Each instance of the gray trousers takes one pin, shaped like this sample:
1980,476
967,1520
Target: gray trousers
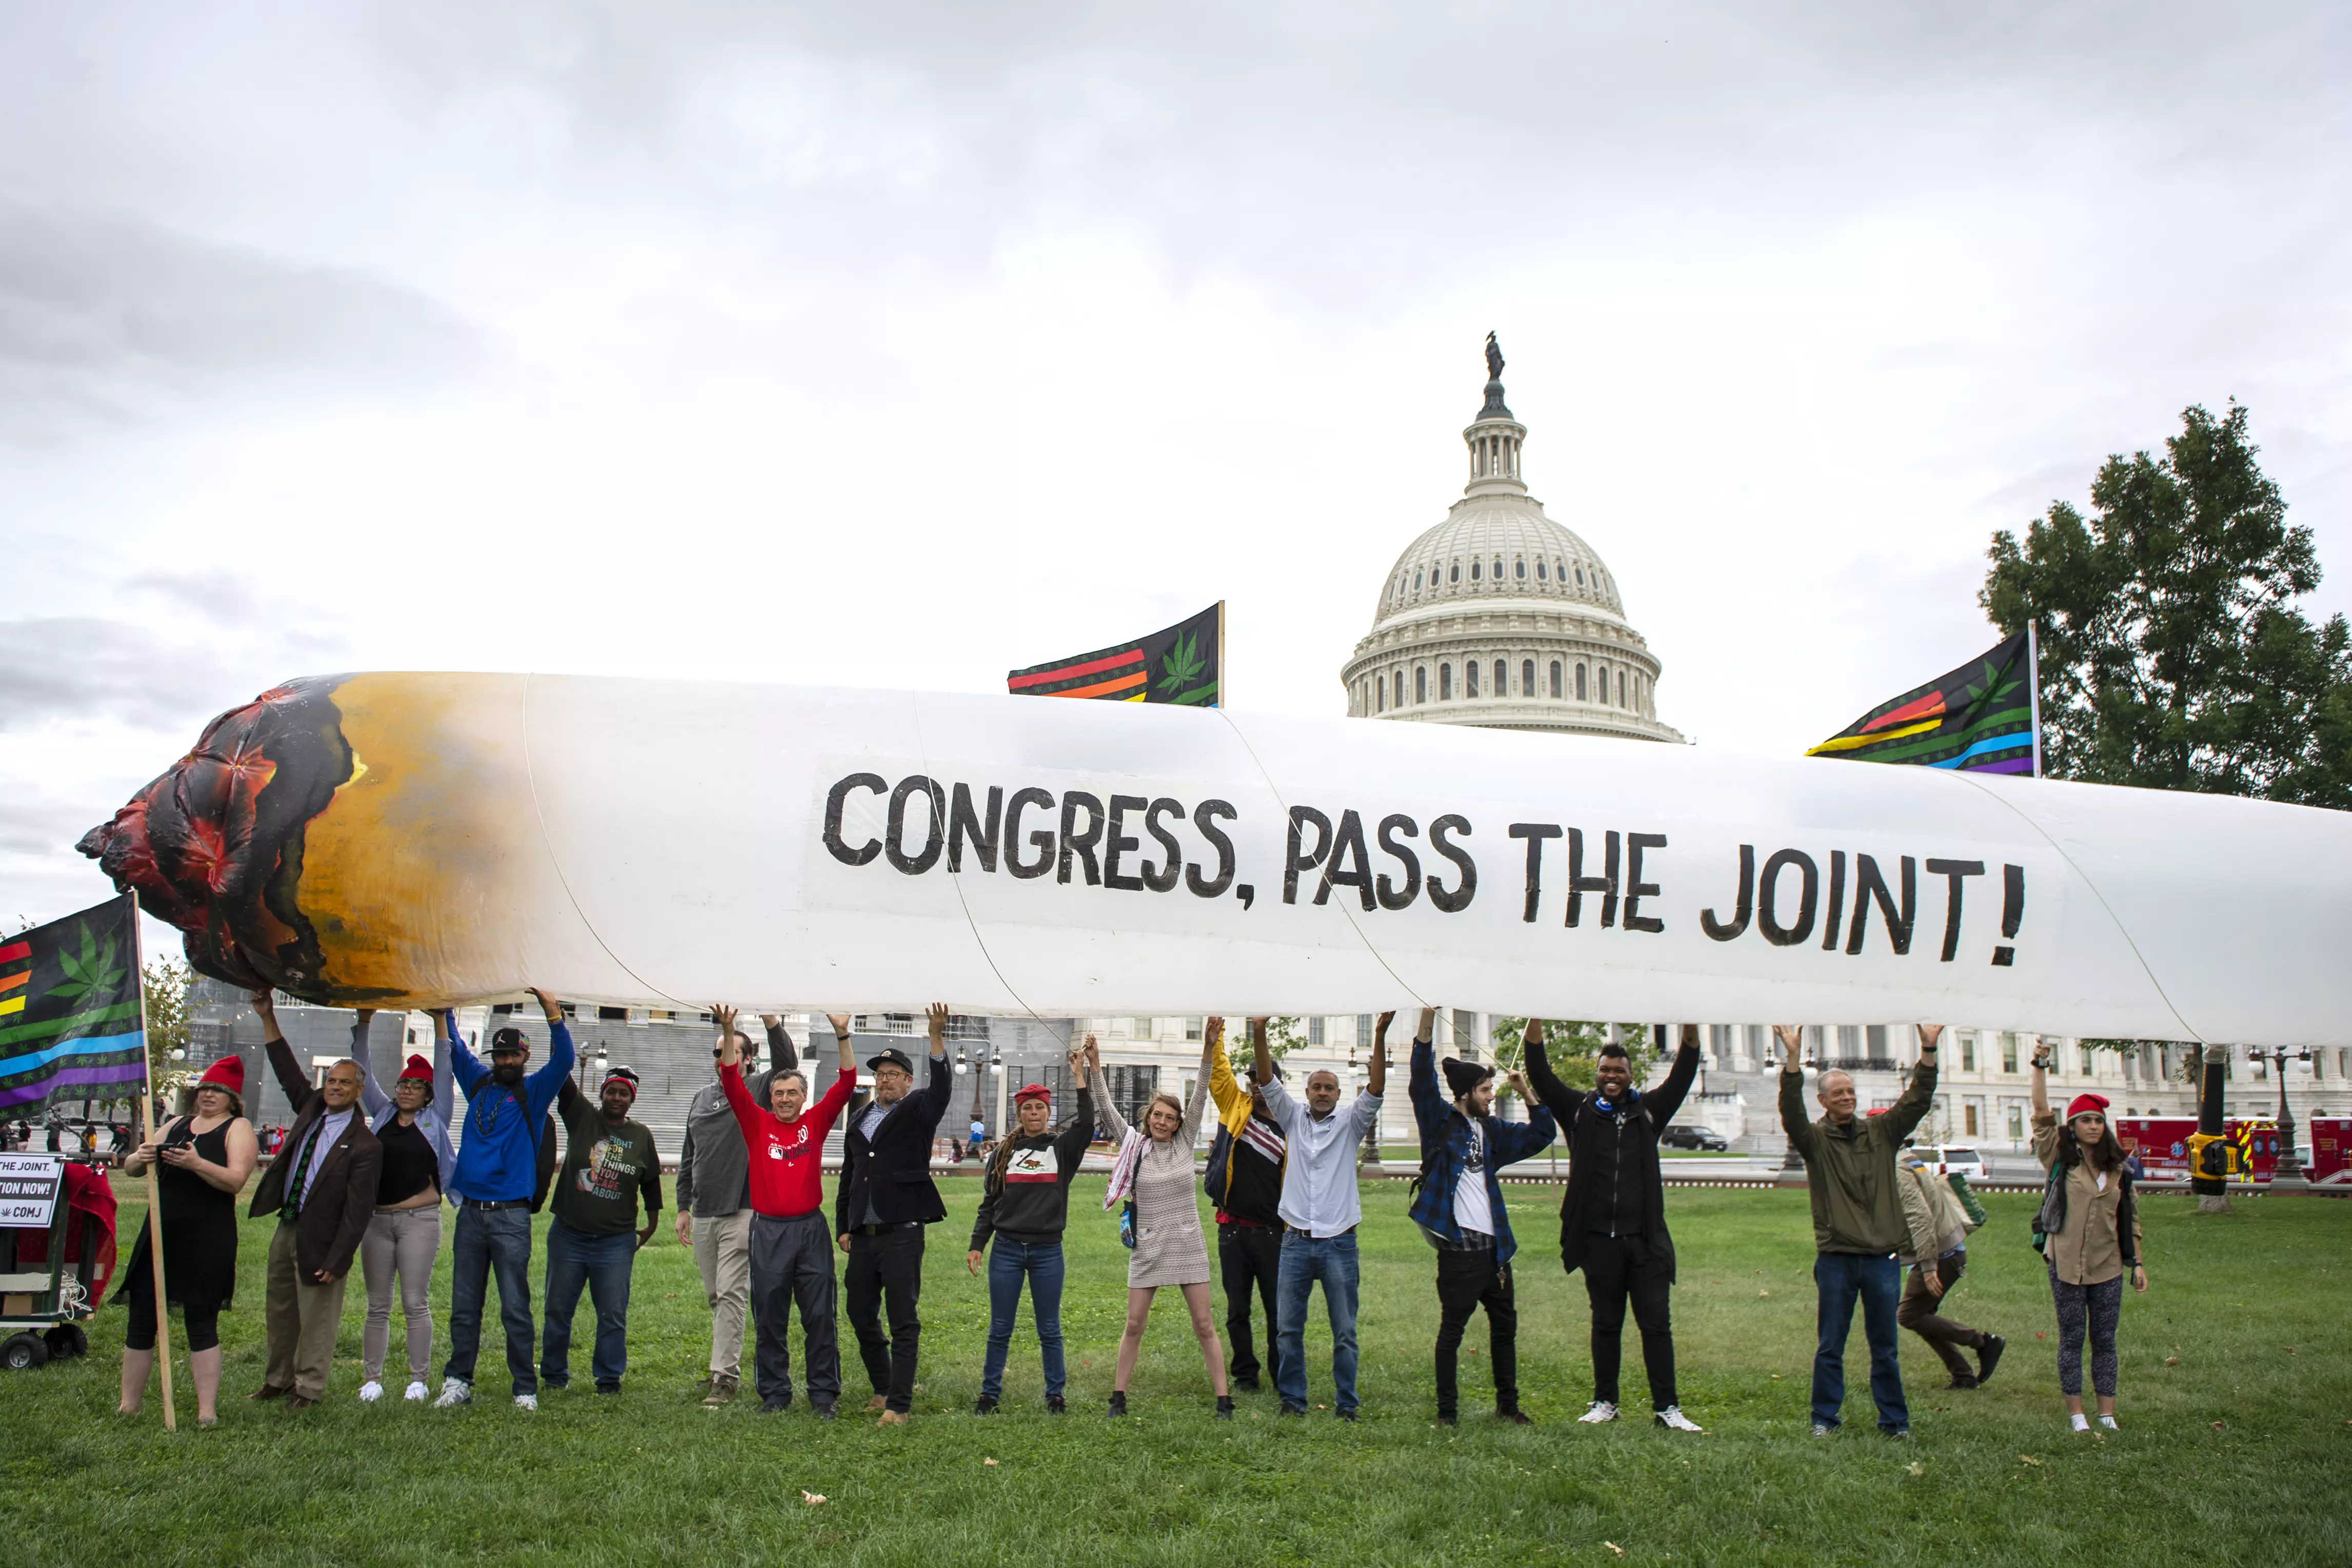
403,1242
792,1261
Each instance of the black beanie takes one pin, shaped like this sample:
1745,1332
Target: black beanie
1461,1077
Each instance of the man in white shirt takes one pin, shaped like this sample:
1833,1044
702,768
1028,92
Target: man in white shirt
1320,1212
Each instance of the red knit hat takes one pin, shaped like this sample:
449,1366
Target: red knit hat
2086,1105
1032,1092
227,1073
418,1067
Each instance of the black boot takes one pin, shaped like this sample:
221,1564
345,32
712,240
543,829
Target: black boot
1989,1356
1224,1407
1118,1403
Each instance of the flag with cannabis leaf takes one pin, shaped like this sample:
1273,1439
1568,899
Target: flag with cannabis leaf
1979,718
71,1024
1181,664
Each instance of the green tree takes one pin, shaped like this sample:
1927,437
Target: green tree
2172,654
166,983
1281,1034
1572,1047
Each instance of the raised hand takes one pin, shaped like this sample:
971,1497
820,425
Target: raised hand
840,1022
1790,1038
1930,1033
548,1006
1427,1029
1214,1033
937,1017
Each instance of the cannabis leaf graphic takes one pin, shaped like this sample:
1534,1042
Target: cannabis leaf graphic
1182,665
1993,682
92,972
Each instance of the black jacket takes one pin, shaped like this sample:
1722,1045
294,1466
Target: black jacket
896,1169
342,1192
1608,1154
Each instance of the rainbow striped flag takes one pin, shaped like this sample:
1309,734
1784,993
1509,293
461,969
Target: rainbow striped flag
1181,664
1983,717
72,1026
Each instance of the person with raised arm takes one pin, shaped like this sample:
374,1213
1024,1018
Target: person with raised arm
2088,1233
1154,1168
885,1198
714,1200
493,1183
790,1250
1460,1210
1320,1210
1858,1223
1612,1219
323,1191
611,1166
1245,1182
206,1152
403,1238
1023,1209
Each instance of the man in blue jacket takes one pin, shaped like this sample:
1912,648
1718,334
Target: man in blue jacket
498,1170
1459,1208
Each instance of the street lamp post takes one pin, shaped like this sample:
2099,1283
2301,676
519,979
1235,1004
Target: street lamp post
2287,1173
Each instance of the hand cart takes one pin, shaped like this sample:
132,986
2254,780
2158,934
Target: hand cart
41,1309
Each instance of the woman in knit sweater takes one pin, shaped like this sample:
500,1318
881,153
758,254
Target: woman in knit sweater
2089,1232
1025,1207
1169,1247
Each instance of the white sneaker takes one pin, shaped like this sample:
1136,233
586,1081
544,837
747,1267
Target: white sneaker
454,1392
2109,1423
1601,1411
526,1401
417,1392
1673,1420
371,1391
2080,1422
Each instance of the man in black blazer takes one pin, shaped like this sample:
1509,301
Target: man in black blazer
884,1200
321,1186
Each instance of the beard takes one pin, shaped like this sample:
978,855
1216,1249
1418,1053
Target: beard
507,1073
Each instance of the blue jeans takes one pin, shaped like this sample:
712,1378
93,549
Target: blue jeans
1305,1260
1008,1263
575,1257
488,1239
1840,1277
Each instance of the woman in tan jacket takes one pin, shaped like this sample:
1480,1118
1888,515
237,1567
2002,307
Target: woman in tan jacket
2088,1230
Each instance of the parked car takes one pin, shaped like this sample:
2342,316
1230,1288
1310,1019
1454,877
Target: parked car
1950,1162
1705,1138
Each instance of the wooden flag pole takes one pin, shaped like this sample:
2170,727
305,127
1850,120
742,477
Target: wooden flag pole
154,1192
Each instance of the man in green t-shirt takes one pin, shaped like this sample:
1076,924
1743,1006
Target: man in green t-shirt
593,1237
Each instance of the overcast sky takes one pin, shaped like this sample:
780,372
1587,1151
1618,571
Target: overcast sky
899,344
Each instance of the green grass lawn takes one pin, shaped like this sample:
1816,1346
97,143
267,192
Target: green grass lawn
2236,1447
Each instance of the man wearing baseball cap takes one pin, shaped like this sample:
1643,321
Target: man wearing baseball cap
885,1198
497,1172
609,1162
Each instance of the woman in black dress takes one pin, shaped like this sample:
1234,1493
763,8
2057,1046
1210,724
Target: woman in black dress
206,1158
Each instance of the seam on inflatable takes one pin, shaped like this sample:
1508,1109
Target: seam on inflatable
955,880
2121,929
531,776
1353,924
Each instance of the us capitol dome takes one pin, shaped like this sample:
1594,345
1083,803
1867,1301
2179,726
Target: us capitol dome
1500,616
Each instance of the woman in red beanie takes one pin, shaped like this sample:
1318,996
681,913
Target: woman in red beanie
206,1153
2088,1231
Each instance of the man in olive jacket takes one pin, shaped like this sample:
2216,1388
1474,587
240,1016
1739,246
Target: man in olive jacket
1858,1224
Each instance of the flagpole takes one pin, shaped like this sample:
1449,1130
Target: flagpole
154,1192
1224,688
2033,685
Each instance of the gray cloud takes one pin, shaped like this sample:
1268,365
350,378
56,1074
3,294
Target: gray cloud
101,315
88,668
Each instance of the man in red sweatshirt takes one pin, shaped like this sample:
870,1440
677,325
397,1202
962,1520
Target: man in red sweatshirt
792,1244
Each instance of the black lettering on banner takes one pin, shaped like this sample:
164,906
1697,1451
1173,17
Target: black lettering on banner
1348,841
1043,839
1293,863
1837,901
1958,872
1204,819
894,840
965,826
1165,878
1869,886
1746,908
1535,833
1636,889
1077,843
1768,912
1115,844
1389,897
1579,884
2012,911
1458,900
835,801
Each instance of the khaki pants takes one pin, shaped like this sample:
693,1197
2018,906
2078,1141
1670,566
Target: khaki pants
303,1319
722,1251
